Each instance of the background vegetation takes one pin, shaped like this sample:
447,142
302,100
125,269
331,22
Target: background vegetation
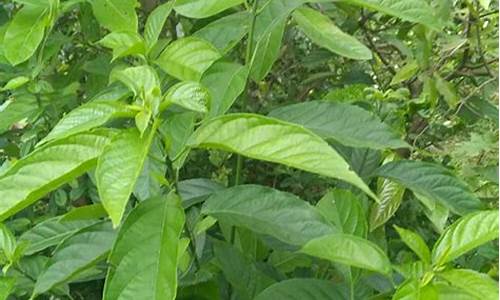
233,149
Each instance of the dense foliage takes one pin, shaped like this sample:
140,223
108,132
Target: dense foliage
234,149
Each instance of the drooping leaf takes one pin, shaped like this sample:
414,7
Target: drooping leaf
118,168
61,161
155,22
226,32
268,211
416,243
273,140
24,34
75,255
303,288
152,178
150,234
432,181
350,250
86,117
50,233
189,95
348,124
479,286
240,271
344,209
198,9
124,43
390,195
323,32
116,15
467,233
225,81
176,130
409,10
188,58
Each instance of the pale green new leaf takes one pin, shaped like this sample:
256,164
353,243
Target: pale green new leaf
226,32
416,11
50,233
350,250
467,233
301,289
88,116
447,90
7,242
189,95
432,181
47,168
24,33
155,22
478,285
18,108
144,257
348,124
118,168
124,43
188,58
406,72
413,290
390,194
116,15
449,292
198,9
415,242
267,211
7,285
142,80
345,211
15,83
225,81
269,139
323,32
76,254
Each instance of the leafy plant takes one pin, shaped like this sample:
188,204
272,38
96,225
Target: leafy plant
237,149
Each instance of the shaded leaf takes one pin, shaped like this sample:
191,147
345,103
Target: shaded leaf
268,211
198,9
415,243
303,288
390,195
196,190
348,124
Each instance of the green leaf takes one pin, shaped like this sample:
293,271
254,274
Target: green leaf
176,130
478,285
124,43
24,33
415,242
432,181
196,190
390,195
436,212
267,50
348,124
7,285
188,58
447,90
485,3
20,107
76,254
276,141
118,168
350,250
226,32
88,116
406,72
268,211
141,80
243,273
416,11
61,161
225,81
413,290
345,211
50,233
159,223
7,242
152,179
15,83
84,213
198,9
155,22
467,233
189,95
302,289
116,15
323,32
449,292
